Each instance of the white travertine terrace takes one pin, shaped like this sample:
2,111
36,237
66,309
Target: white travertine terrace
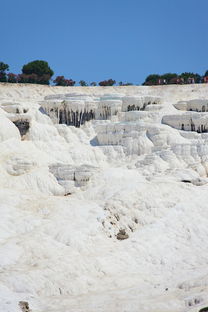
188,121
134,103
69,176
75,110
198,105
78,166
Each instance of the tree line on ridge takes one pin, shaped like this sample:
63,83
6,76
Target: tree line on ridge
39,72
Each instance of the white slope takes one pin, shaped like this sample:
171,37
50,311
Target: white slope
136,171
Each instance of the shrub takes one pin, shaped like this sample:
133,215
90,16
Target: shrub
61,81
93,84
125,83
204,309
70,82
109,82
12,78
83,83
128,84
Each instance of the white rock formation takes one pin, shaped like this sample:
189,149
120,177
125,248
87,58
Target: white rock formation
131,160
190,121
197,105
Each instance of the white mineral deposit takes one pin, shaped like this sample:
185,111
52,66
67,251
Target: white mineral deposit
103,198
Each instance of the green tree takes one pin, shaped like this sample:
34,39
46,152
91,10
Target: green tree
168,77
151,80
41,69
83,83
3,68
187,75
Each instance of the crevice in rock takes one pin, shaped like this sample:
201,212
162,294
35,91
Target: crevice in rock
22,125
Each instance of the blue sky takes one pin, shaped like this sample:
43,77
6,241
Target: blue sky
95,40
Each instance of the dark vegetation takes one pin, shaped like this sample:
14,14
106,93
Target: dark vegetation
83,83
33,72
39,72
36,72
173,78
105,83
125,83
204,309
61,81
3,69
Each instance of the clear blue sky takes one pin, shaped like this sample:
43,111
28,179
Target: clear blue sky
95,40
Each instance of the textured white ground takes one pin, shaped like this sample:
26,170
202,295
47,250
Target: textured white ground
60,253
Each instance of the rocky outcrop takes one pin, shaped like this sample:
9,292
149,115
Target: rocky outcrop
24,306
22,125
122,235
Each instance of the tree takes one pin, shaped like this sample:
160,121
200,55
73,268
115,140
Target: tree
168,77
61,81
39,68
109,82
3,68
151,80
93,84
177,80
206,73
83,83
187,75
